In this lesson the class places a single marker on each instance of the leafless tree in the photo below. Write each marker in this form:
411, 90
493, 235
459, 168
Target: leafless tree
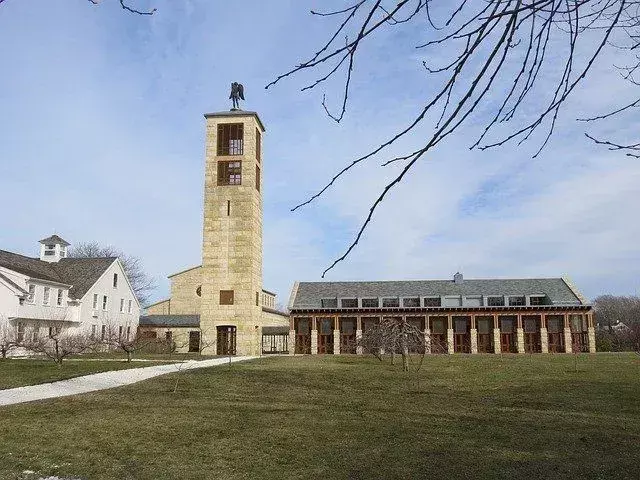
394, 335
618, 321
490, 43
124, 5
8, 337
120, 337
59, 344
141, 282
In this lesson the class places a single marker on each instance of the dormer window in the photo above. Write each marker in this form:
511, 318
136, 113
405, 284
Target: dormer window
390, 302
516, 301
495, 301
537, 300
349, 303
411, 302
370, 303
432, 302
329, 302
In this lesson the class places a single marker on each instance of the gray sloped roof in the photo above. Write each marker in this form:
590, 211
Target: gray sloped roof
29, 266
13, 284
82, 273
309, 294
55, 239
170, 321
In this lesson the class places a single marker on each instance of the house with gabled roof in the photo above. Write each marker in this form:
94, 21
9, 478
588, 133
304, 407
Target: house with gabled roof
55, 293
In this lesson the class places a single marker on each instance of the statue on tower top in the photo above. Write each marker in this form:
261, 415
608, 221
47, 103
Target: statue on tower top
237, 94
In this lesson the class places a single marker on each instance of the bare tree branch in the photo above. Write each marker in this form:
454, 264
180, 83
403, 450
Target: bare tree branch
506, 40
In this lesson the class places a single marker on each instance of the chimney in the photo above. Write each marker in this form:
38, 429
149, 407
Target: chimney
53, 248
457, 278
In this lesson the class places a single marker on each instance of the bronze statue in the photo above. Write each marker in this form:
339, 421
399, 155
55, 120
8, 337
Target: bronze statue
237, 94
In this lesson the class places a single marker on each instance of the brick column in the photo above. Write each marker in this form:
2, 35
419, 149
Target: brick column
591, 333
474, 335
496, 335
520, 335
314, 337
427, 339
292, 342
449, 340
336, 336
544, 335
567, 335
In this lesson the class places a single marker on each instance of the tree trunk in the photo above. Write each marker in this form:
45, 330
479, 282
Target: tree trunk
4, 352
405, 353
129, 356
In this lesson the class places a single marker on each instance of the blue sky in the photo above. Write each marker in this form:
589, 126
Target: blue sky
102, 138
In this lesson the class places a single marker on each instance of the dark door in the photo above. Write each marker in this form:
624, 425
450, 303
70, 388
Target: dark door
226, 340
461, 335
348, 335
194, 341
485, 334
555, 327
508, 340
438, 335
325, 335
303, 335
531, 325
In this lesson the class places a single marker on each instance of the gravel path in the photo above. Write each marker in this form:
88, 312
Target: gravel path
103, 381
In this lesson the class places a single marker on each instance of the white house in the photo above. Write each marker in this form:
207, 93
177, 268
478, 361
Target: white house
54, 293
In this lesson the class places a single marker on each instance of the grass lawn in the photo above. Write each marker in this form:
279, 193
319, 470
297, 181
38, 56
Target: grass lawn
21, 372
346, 418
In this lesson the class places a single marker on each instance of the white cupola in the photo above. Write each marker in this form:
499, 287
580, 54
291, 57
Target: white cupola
53, 248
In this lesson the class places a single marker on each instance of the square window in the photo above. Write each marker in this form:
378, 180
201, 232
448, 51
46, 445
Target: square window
122, 305
329, 302
95, 301
516, 301
229, 173
390, 302
115, 280
495, 301
32, 294
231, 139
349, 303
105, 302
370, 303
432, 302
130, 307
411, 302
226, 297
60, 297
45, 300
537, 300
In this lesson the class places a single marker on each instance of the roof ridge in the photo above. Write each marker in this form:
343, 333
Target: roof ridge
21, 255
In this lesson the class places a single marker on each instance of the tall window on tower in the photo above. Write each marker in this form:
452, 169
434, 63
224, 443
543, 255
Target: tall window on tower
229, 173
258, 145
257, 178
230, 139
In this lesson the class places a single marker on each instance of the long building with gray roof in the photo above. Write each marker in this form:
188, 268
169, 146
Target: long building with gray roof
534, 315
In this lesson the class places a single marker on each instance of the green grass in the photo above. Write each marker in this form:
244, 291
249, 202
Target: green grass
344, 418
18, 373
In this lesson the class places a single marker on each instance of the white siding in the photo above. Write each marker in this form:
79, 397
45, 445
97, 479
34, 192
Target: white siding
112, 316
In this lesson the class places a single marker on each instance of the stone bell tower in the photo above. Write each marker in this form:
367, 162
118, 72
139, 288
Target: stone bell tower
231, 311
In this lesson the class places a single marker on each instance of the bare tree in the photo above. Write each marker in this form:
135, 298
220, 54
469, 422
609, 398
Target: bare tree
59, 344
141, 282
490, 43
394, 335
8, 337
120, 337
